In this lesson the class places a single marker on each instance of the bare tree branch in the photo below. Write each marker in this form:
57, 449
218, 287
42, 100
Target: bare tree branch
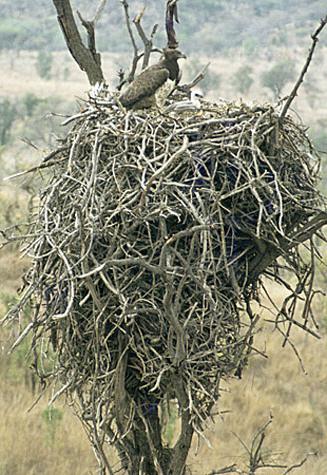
87, 58
198, 78
89, 26
148, 42
99, 11
135, 48
171, 16
257, 458
293, 94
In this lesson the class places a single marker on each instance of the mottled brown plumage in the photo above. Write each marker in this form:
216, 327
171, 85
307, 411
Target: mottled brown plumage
141, 93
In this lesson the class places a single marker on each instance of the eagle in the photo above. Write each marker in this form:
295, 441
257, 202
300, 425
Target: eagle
141, 92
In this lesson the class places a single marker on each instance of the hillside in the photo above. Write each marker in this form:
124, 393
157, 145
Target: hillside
218, 26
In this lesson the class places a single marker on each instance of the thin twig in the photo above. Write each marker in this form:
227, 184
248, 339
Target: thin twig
300, 464
136, 56
315, 39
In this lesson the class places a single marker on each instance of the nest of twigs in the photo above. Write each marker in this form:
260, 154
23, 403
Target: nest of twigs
150, 239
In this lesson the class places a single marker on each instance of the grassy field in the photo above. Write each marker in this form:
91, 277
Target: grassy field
51, 441
47, 441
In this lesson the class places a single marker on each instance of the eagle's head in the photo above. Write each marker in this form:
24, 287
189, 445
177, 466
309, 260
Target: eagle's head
173, 54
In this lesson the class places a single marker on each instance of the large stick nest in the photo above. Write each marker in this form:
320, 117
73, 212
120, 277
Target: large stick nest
148, 244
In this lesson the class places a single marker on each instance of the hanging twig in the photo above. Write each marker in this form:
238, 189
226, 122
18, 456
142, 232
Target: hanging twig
298, 83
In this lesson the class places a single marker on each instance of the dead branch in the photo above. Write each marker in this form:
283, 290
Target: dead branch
298, 83
89, 26
198, 78
300, 464
99, 11
184, 441
147, 42
86, 57
257, 458
136, 56
171, 16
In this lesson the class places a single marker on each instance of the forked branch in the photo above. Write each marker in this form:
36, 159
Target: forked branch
258, 456
298, 83
148, 42
136, 56
86, 57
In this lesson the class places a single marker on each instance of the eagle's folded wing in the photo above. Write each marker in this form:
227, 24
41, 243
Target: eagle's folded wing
144, 86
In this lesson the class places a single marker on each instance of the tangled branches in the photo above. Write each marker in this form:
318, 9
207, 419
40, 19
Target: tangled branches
150, 241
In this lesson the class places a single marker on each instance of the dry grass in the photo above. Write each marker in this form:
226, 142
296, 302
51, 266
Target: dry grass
32, 446
278, 385
296, 401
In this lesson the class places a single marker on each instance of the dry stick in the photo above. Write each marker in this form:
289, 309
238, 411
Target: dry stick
186, 88
148, 42
230, 469
300, 464
183, 443
199, 77
256, 446
99, 11
256, 454
35, 169
136, 56
304, 70
89, 26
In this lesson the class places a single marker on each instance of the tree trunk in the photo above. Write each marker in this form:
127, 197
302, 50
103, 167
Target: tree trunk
88, 60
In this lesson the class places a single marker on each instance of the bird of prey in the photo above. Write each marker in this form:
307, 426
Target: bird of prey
142, 91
